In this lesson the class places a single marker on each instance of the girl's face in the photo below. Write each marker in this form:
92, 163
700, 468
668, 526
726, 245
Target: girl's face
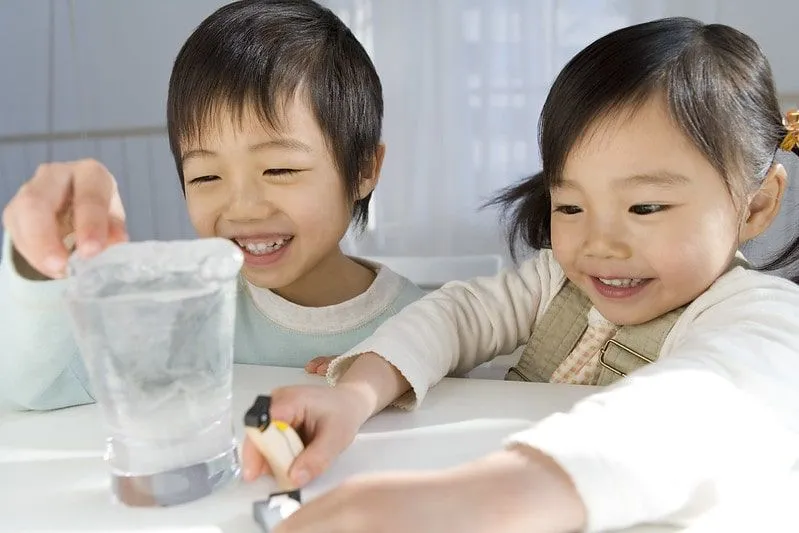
642, 222
276, 194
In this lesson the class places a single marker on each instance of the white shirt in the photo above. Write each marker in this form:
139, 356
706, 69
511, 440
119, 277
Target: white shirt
714, 419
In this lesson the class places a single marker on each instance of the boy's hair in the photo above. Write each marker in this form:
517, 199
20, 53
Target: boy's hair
719, 90
259, 54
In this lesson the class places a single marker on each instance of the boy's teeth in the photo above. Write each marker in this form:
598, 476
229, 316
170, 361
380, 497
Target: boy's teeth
265, 247
623, 282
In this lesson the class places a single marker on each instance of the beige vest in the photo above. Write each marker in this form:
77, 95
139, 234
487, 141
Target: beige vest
563, 325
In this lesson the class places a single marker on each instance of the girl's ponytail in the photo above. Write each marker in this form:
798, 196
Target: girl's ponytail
788, 258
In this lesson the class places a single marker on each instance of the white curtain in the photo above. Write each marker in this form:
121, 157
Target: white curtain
464, 82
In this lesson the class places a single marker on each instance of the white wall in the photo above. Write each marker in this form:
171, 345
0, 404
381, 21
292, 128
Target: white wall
96, 66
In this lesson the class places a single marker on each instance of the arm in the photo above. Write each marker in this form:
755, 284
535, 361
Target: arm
716, 417
461, 325
40, 366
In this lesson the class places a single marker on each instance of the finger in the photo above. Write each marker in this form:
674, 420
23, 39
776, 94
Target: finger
312, 365
253, 463
31, 218
93, 191
321, 370
324, 445
117, 232
288, 405
329, 513
117, 229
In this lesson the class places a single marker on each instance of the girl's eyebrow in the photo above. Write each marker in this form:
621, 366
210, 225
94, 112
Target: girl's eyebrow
661, 178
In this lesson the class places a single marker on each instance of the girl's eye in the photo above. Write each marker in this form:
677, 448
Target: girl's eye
203, 179
647, 209
568, 209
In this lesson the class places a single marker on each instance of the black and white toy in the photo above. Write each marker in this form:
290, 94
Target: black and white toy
279, 444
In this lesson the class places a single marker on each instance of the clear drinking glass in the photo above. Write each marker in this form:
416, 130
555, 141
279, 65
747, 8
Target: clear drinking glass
154, 322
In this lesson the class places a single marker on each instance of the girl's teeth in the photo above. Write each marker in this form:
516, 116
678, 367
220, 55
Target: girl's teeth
261, 248
624, 282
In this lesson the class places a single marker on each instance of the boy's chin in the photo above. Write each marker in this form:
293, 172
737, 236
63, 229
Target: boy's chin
264, 280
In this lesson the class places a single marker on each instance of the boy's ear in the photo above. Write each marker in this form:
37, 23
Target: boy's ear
371, 175
765, 204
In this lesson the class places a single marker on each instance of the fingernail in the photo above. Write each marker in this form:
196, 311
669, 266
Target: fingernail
54, 265
248, 474
89, 248
301, 477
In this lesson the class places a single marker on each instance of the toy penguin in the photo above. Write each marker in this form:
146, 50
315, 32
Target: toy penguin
279, 444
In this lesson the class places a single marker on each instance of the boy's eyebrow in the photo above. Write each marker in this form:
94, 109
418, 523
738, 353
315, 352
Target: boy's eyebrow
191, 154
291, 144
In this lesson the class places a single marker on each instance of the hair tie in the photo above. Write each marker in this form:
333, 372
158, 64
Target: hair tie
791, 141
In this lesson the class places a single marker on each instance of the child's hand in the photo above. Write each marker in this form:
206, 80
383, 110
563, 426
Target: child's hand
327, 419
512, 491
62, 198
319, 365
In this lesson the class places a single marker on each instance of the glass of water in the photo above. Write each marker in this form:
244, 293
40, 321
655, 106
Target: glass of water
154, 322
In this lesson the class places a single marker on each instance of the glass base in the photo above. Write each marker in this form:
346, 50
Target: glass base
181, 485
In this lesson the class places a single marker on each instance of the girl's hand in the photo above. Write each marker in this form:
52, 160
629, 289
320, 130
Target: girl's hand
518, 490
327, 419
319, 365
62, 198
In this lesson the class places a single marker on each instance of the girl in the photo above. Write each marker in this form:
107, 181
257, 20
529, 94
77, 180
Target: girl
276, 150
658, 144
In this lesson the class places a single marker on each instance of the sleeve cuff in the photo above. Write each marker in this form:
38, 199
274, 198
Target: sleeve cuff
42, 293
409, 369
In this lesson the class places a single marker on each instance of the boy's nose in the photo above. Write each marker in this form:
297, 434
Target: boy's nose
247, 202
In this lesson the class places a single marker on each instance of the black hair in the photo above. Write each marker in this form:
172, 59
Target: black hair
718, 87
259, 54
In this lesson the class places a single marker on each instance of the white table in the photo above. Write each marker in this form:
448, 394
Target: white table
53, 477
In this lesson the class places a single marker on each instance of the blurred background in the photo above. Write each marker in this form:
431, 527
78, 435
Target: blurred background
464, 81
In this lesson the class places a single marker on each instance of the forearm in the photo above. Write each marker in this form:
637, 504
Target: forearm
525, 489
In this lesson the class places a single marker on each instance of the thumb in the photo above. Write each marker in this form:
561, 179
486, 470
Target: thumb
116, 231
328, 443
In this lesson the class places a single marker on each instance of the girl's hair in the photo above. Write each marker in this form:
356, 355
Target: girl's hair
719, 90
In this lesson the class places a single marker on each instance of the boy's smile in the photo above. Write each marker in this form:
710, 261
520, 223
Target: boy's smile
262, 250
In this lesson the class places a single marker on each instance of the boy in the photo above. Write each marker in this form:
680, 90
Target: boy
274, 115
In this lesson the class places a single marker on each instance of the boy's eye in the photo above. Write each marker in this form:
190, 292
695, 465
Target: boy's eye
284, 172
568, 209
203, 179
647, 209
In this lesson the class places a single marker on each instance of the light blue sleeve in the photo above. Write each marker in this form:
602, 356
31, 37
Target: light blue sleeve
40, 366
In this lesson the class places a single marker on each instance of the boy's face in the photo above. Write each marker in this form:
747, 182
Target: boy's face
278, 195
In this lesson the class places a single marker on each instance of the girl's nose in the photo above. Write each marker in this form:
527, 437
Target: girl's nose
606, 239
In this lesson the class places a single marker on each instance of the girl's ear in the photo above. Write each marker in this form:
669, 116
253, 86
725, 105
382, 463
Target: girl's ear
369, 178
764, 204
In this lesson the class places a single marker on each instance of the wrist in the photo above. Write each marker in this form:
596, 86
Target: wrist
360, 398
375, 381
